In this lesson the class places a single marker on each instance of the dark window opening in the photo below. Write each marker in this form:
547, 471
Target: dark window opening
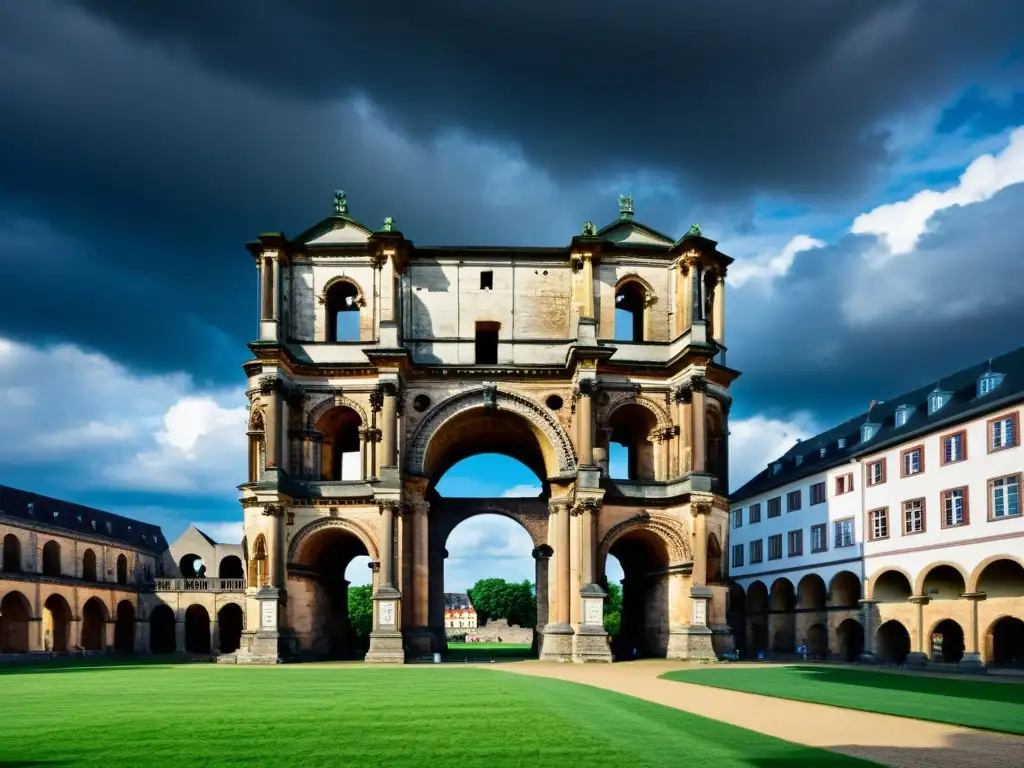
342, 312
487, 343
486, 280
267, 308
629, 312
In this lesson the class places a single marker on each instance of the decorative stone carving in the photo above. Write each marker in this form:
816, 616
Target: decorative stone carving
377, 400
679, 548
490, 396
268, 384
398, 508
698, 383
334, 401
340, 203
351, 526
588, 503
619, 399
513, 402
273, 510
589, 387
683, 393
701, 503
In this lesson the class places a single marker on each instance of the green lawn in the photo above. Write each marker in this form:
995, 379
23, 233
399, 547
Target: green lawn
487, 652
959, 701
352, 715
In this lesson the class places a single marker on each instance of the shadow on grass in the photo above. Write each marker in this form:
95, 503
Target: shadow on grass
487, 655
88, 663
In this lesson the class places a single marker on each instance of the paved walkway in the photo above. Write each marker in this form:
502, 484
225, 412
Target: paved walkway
885, 739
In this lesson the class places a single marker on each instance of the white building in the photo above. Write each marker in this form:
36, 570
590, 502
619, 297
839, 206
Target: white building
921, 504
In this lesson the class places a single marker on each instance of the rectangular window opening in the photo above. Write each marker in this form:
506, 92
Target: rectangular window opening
486, 280
487, 343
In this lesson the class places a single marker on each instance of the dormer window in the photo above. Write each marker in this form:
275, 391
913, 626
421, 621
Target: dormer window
842, 444
902, 414
823, 451
988, 382
936, 400
867, 431
799, 460
776, 467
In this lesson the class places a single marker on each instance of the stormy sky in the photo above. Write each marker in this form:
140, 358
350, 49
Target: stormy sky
861, 161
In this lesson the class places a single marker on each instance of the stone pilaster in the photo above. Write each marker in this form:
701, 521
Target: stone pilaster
918, 656
972, 652
386, 643
558, 633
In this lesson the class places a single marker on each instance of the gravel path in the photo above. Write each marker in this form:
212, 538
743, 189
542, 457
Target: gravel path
885, 739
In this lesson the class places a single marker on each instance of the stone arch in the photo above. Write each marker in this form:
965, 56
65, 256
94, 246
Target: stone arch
124, 627
335, 401
11, 554
231, 622
230, 567
560, 457
360, 298
448, 522
51, 559
258, 565
197, 629
677, 545
976, 574
619, 399
15, 618
845, 589
56, 623
95, 618
122, 569
811, 592
633, 277
872, 582
307, 532
89, 571
162, 630
922, 577
953, 645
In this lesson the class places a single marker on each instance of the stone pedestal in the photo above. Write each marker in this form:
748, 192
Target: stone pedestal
557, 643
386, 642
972, 661
265, 644
591, 642
692, 643
916, 659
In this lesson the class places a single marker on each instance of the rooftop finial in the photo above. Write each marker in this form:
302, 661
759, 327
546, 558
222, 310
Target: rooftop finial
626, 206
989, 365
389, 225
340, 203
589, 230
693, 231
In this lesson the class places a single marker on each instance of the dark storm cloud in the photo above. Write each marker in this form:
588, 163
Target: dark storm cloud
837, 333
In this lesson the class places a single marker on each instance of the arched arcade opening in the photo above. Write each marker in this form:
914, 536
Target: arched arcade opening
56, 624
124, 628
643, 559
94, 625
162, 630
1004, 642
230, 622
15, 615
197, 630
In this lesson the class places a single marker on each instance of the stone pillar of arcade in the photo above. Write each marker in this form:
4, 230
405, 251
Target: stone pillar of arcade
386, 644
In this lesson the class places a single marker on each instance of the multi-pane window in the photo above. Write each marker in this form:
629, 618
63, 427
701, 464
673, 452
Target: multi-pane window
755, 513
737, 555
819, 540
1003, 434
1005, 496
843, 530
912, 461
737, 518
913, 516
954, 507
844, 483
793, 500
818, 493
756, 551
878, 519
953, 447
775, 506
795, 543
775, 547
876, 472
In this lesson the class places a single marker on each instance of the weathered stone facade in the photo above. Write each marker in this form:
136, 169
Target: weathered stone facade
381, 364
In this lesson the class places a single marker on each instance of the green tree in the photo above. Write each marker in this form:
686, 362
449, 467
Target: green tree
360, 610
500, 599
613, 609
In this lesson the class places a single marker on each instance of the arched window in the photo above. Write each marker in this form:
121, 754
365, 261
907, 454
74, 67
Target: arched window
340, 452
257, 446
89, 566
630, 301
343, 301
12, 554
630, 450
51, 559
259, 565
122, 569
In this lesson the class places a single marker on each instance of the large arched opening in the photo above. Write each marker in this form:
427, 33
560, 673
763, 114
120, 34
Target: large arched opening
892, 643
318, 590
12, 554
342, 300
342, 450
15, 615
782, 602
891, 587
162, 630
124, 628
192, 567
1001, 578
947, 642
811, 593
51, 559
850, 634
630, 449
1004, 642
89, 565
757, 613
736, 617
122, 569
845, 590
56, 624
230, 622
943, 582
643, 557
94, 624
230, 567
197, 630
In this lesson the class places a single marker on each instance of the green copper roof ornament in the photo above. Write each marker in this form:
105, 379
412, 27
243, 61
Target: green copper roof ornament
340, 203
589, 230
625, 206
389, 225
693, 231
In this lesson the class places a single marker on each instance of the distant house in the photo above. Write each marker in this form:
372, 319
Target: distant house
460, 618
456, 600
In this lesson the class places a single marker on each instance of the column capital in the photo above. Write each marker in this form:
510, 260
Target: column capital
585, 504
273, 510
588, 387
374, 565
396, 507
701, 503
690, 259
867, 602
975, 596
269, 384
683, 393
919, 599
543, 552
558, 505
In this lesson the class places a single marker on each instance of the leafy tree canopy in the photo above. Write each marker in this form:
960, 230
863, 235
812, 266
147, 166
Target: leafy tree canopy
500, 599
360, 610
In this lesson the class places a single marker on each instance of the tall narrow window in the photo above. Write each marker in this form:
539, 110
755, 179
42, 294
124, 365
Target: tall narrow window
267, 298
486, 280
342, 302
629, 312
487, 343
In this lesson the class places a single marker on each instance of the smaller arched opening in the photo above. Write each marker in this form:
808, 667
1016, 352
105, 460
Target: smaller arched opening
162, 630
89, 566
891, 587
630, 306
736, 617
124, 628
1002, 578
230, 567
122, 569
94, 625
15, 615
714, 430
342, 299
630, 450
56, 624
943, 582
757, 617
947, 642
197, 630
230, 621
643, 629
1004, 642
713, 562
259, 573
12, 554
192, 566
811, 593
51, 559
340, 452
782, 602
845, 590
850, 634
257, 446
817, 641
892, 643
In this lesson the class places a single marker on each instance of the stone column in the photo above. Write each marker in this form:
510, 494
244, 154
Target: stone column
386, 644
389, 424
364, 449
584, 410
698, 438
421, 640
270, 390
559, 632
718, 308
918, 656
972, 653
275, 545
700, 508
867, 656
214, 635
601, 448
694, 640
542, 556
588, 286
387, 541
694, 276
277, 288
